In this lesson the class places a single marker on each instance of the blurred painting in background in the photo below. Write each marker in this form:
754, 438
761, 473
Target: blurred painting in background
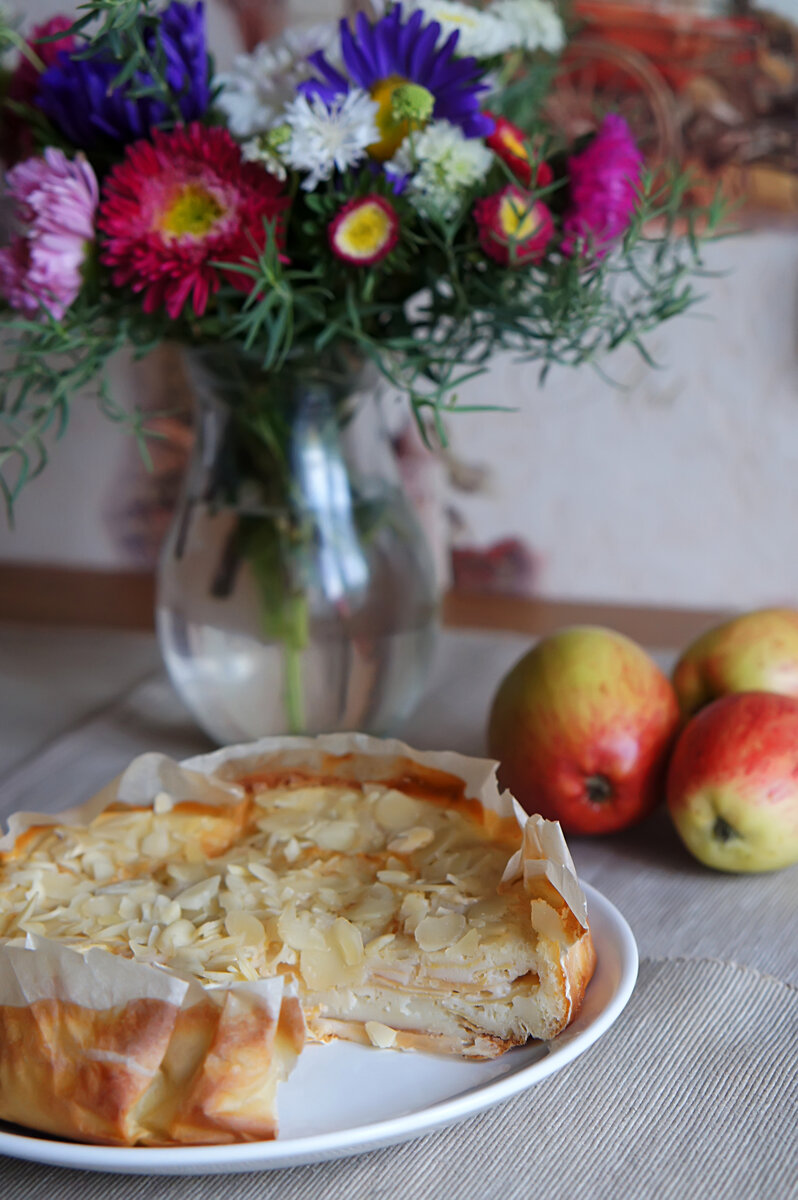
713, 86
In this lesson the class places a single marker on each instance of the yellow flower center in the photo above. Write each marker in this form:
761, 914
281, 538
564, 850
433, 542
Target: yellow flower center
514, 144
364, 232
518, 220
458, 20
392, 132
192, 211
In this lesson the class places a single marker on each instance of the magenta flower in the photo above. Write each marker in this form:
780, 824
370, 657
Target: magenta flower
604, 183
24, 83
54, 201
16, 137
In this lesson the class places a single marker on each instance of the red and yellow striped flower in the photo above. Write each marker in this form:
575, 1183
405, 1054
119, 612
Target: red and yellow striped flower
509, 143
513, 227
364, 230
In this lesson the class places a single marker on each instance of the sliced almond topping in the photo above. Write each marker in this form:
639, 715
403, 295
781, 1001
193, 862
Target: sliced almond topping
396, 811
297, 931
377, 905
378, 944
179, 933
292, 893
163, 803
435, 933
199, 896
350, 941
466, 947
292, 850
261, 871
389, 877
335, 835
321, 969
169, 912
246, 927
415, 907
414, 839
102, 868
380, 1035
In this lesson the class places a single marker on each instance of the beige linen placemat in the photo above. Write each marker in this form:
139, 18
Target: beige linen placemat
692, 1094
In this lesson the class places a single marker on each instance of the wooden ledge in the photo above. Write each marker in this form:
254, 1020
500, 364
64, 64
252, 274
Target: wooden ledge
42, 595
73, 596
660, 627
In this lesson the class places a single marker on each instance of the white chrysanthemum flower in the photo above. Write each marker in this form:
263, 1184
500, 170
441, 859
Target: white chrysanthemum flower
254, 94
442, 164
534, 24
325, 139
481, 33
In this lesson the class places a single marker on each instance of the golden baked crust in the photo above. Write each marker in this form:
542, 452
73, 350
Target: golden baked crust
373, 879
171, 1064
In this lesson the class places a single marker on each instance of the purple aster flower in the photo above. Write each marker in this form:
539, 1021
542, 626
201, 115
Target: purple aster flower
391, 53
76, 95
604, 185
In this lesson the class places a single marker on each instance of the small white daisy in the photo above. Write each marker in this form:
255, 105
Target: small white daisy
254, 94
481, 33
325, 139
534, 24
442, 164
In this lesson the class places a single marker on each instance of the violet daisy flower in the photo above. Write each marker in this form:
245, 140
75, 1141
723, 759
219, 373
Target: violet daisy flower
55, 201
391, 53
75, 92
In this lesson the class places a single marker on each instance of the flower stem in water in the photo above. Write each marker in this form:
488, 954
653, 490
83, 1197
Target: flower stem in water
294, 642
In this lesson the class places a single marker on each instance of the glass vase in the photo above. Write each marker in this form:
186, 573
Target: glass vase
296, 591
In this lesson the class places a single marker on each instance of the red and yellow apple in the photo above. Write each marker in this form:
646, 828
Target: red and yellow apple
757, 651
582, 726
732, 785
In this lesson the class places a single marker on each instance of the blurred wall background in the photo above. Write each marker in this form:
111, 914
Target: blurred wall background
678, 486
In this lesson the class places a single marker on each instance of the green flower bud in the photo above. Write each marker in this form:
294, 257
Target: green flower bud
278, 136
412, 102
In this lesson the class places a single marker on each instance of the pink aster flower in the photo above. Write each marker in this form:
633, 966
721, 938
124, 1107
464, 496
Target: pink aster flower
364, 231
177, 206
55, 200
605, 179
513, 227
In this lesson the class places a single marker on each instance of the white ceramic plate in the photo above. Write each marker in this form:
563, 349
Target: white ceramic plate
345, 1099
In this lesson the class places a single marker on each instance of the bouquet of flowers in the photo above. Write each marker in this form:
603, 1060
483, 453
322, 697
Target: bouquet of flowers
385, 190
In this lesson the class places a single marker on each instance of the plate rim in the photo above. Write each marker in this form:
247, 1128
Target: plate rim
291, 1152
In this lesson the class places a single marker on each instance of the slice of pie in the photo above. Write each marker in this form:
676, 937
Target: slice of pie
402, 899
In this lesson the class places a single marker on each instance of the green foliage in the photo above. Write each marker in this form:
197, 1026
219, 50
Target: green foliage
51, 362
432, 315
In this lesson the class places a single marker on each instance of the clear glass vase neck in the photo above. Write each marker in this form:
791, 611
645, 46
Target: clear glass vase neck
299, 437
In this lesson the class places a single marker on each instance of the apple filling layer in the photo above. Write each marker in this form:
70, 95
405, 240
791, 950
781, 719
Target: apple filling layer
387, 908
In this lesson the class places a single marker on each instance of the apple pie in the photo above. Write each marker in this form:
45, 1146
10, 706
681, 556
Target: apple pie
339, 887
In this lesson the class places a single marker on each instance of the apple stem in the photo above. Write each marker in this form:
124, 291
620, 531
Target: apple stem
599, 788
